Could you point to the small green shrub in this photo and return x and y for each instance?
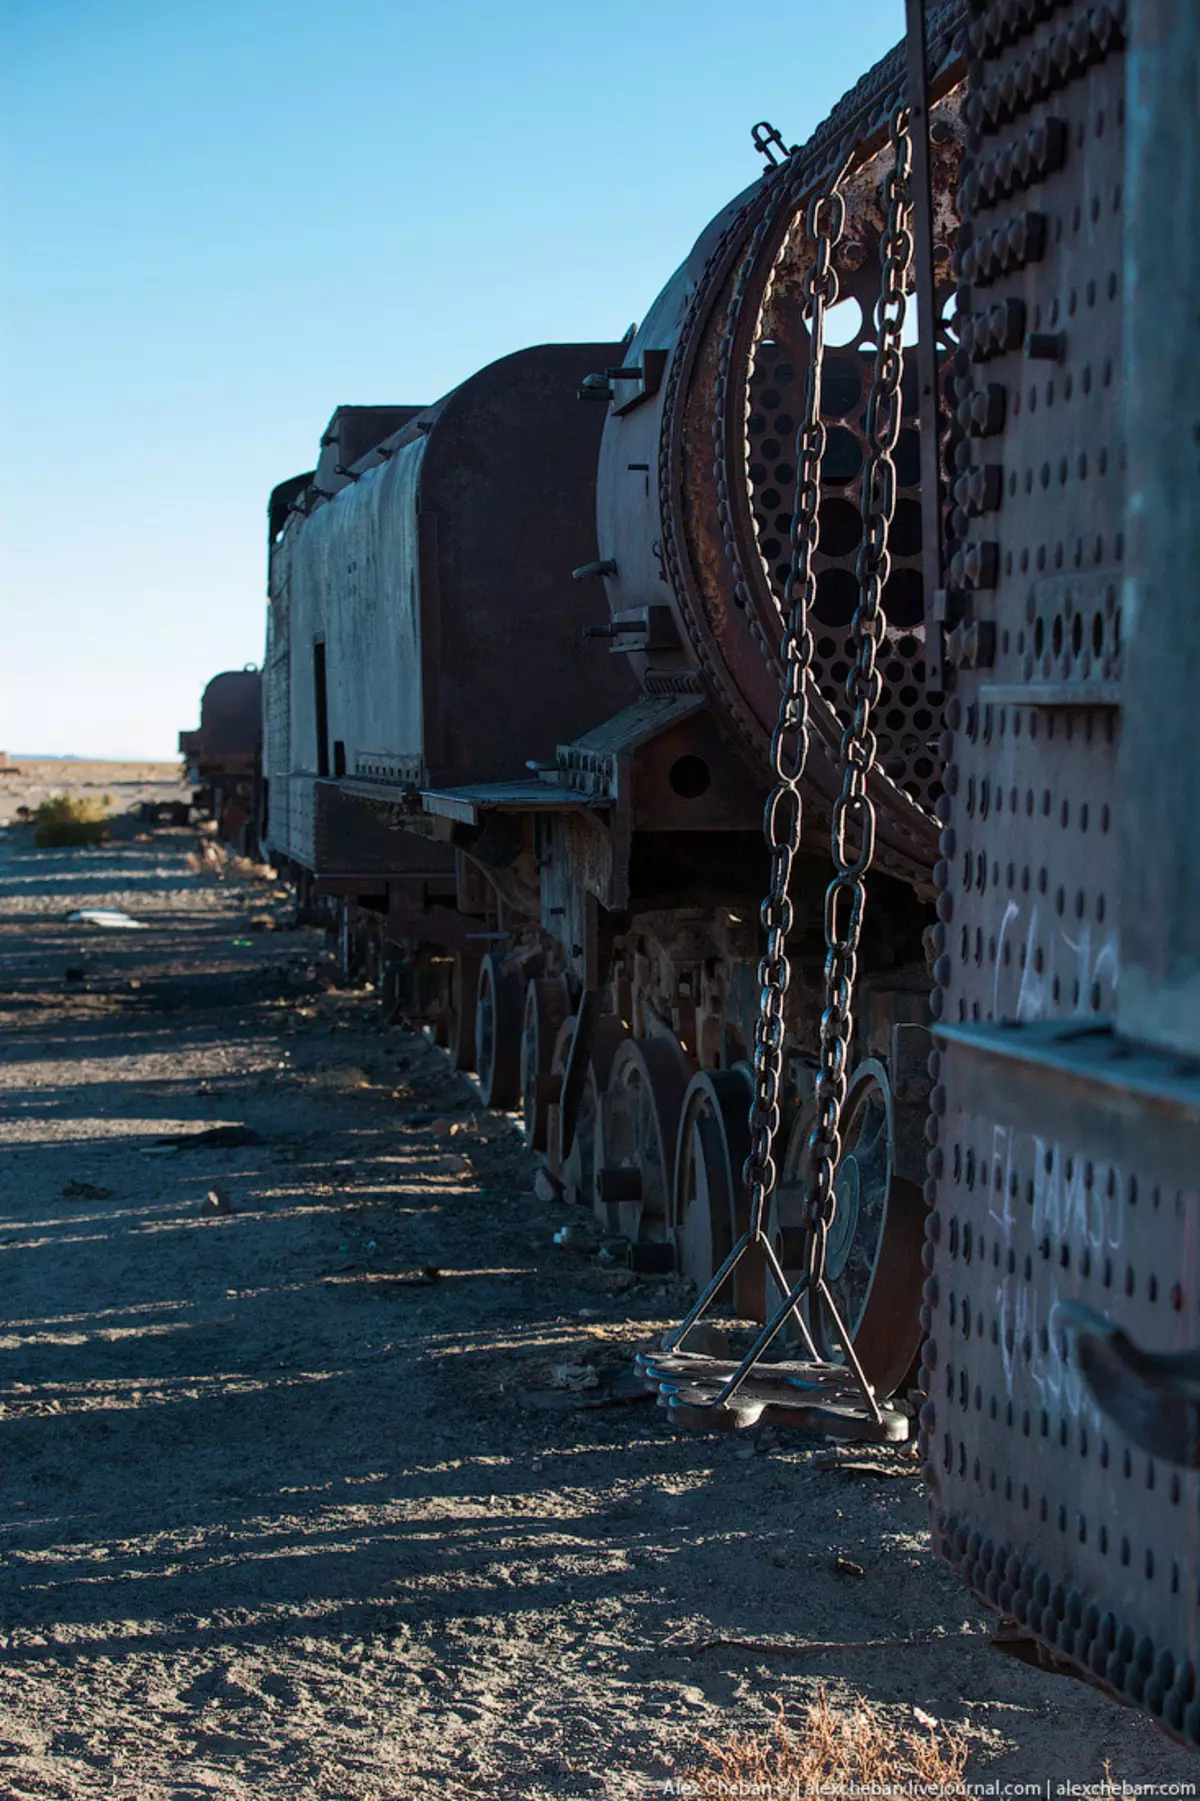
(69, 819)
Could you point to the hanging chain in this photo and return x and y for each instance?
(853, 820)
(854, 809)
(783, 816)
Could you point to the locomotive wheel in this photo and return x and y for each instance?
(498, 1034)
(873, 1254)
(638, 1136)
(547, 1003)
(460, 1014)
(714, 1141)
(558, 1064)
(578, 1167)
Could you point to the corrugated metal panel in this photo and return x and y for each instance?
(277, 700)
(301, 838)
(354, 583)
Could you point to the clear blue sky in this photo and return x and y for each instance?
(221, 220)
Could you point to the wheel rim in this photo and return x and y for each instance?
(873, 1249)
(709, 1192)
(579, 1163)
(547, 999)
(498, 1034)
(860, 1204)
(639, 1133)
(558, 1064)
(464, 988)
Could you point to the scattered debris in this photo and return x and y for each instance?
(253, 871)
(211, 1138)
(448, 1128)
(845, 1566)
(833, 1463)
(85, 1191)
(216, 1201)
(163, 812)
(619, 1385)
(546, 1187)
(262, 922)
(209, 856)
(575, 1376)
(109, 919)
(339, 1078)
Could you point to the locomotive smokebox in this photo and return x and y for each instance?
(697, 484)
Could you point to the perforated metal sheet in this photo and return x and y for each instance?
(908, 724)
(1047, 1188)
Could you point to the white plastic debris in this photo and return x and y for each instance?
(109, 919)
(575, 1376)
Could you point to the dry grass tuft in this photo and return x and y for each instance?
(70, 819)
(829, 1752)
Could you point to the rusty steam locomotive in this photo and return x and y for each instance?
(223, 756)
(928, 1116)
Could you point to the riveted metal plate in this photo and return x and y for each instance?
(1057, 1174)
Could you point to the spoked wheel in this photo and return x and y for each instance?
(638, 1137)
(709, 1197)
(460, 1011)
(873, 1251)
(498, 1010)
(577, 1159)
(558, 1064)
(547, 1003)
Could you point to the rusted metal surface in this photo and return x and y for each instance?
(604, 840)
(424, 623)
(792, 1394)
(1160, 749)
(361, 831)
(1061, 1301)
(708, 1203)
(222, 756)
(663, 542)
(638, 1137)
(230, 725)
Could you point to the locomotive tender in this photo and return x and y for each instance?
(537, 652)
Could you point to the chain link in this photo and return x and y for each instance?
(783, 815)
(854, 811)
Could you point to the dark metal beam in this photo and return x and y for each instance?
(1159, 767)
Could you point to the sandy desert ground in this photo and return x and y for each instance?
(25, 783)
(312, 1497)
